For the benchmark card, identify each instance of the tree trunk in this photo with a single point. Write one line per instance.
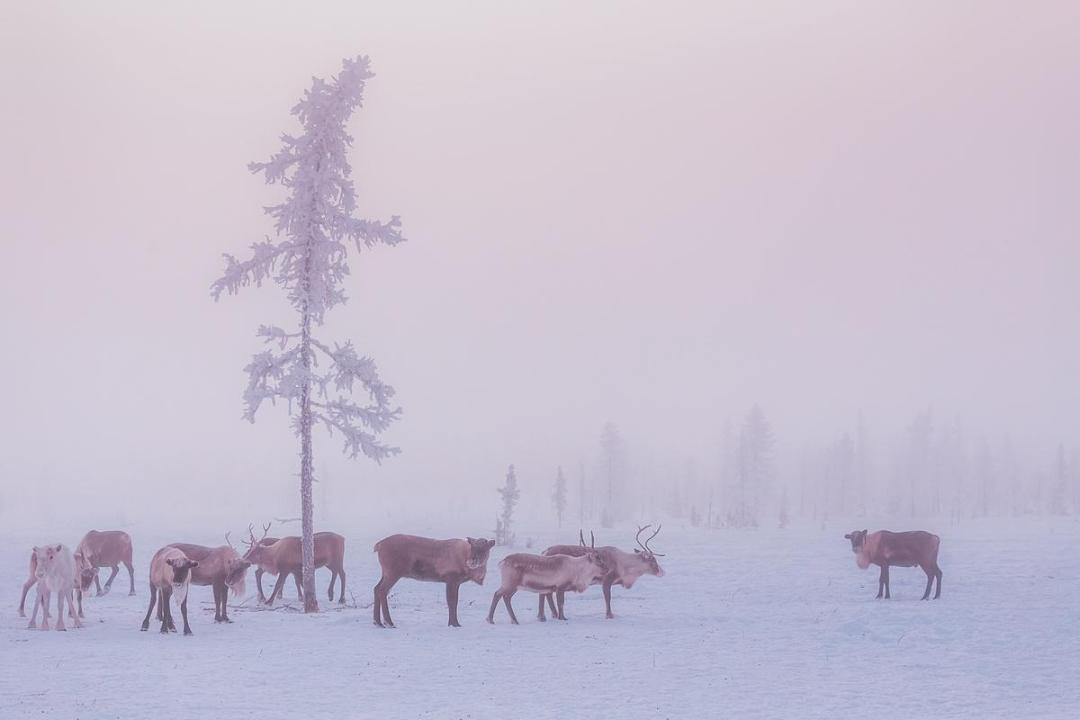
(307, 540)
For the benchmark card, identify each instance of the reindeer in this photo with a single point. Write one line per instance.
(283, 558)
(106, 548)
(453, 562)
(898, 549)
(53, 568)
(170, 574)
(222, 568)
(259, 572)
(83, 577)
(546, 574)
(623, 568)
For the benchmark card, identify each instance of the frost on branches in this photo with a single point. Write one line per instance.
(308, 258)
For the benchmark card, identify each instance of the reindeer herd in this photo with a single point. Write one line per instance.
(559, 569)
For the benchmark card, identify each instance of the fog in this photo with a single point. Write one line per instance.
(657, 216)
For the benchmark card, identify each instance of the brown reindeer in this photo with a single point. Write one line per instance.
(259, 572)
(283, 558)
(545, 574)
(898, 549)
(623, 569)
(170, 575)
(220, 567)
(106, 548)
(419, 558)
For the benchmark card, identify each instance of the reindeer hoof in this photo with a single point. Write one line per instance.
(188, 632)
(541, 619)
(491, 621)
(454, 624)
(131, 594)
(32, 625)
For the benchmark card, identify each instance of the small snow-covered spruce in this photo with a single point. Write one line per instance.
(509, 492)
(308, 258)
(558, 496)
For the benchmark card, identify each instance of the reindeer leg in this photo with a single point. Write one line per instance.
(341, 575)
(377, 602)
(299, 586)
(131, 576)
(25, 589)
(494, 603)
(112, 575)
(382, 604)
(560, 595)
(78, 597)
(71, 610)
(44, 598)
(153, 600)
(540, 610)
(183, 612)
(163, 607)
(258, 584)
(217, 602)
(930, 575)
(97, 584)
(60, 611)
(279, 586)
(330, 589)
(33, 614)
(885, 572)
(510, 608)
(451, 603)
(608, 582)
(937, 569)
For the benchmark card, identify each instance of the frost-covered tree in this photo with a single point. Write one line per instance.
(509, 492)
(558, 496)
(308, 258)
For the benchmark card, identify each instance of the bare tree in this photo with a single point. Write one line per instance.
(308, 259)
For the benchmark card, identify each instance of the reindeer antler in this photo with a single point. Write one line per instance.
(227, 540)
(645, 545)
(592, 540)
(581, 537)
(252, 542)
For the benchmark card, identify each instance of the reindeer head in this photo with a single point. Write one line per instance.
(857, 538)
(256, 550)
(45, 557)
(85, 571)
(181, 566)
(646, 554)
(236, 569)
(476, 565)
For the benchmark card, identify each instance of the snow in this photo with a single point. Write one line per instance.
(748, 624)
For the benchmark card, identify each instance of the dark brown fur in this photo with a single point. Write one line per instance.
(452, 562)
(898, 549)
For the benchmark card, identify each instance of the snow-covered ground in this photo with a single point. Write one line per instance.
(769, 624)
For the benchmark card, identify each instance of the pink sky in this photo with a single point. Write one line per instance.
(657, 214)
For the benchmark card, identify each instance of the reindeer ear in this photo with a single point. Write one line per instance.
(848, 536)
(491, 543)
(59, 548)
(193, 563)
(864, 533)
(470, 540)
